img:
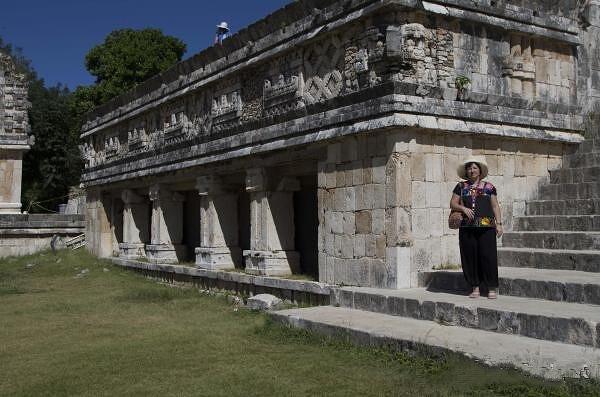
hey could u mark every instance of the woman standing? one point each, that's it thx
(477, 201)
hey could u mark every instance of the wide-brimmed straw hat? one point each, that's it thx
(480, 161)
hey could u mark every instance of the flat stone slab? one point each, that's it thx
(558, 259)
(263, 302)
(556, 285)
(551, 360)
(556, 321)
(570, 240)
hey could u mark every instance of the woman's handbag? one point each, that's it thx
(455, 219)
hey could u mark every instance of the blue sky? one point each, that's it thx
(56, 35)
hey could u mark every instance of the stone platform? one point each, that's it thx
(299, 291)
(543, 358)
(24, 234)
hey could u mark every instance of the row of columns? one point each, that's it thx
(272, 247)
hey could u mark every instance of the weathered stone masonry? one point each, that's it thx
(14, 127)
(324, 139)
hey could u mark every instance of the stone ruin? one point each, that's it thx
(22, 234)
(14, 129)
(324, 138)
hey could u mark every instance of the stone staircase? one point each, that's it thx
(547, 318)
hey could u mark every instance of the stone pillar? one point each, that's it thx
(219, 247)
(10, 177)
(271, 225)
(166, 226)
(135, 225)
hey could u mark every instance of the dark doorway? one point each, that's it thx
(306, 222)
(243, 225)
(191, 224)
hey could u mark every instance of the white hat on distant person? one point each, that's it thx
(480, 161)
(223, 26)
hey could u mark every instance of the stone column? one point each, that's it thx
(135, 225)
(219, 247)
(166, 226)
(10, 175)
(271, 225)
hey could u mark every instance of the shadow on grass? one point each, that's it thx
(152, 294)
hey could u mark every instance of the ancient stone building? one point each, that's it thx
(324, 138)
(14, 126)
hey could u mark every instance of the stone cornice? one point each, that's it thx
(391, 111)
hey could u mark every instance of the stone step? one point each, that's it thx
(580, 260)
(579, 160)
(565, 322)
(575, 175)
(569, 191)
(551, 360)
(564, 207)
(557, 222)
(554, 285)
(567, 240)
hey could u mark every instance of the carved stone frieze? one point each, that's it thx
(283, 94)
(226, 110)
(13, 98)
(323, 65)
(137, 139)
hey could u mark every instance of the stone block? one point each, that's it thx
(349, 225)
(363, 222)
(263, 302)
(357, 173)
(420, 225)
(380, 247)
(359, 246)
(378, 170)
(370, 245)
(330, 244)
(436, 222)
(417, 166)
(419, 195)
(337, 222)
(433, 195)
(368, 196)
(398, 260)
(347, 247)
(340, 176)
(379, 196)
(358, 272)
(378, 221)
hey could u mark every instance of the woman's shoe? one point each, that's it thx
(492, 294)
(475, 293)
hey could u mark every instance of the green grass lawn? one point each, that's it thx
(109, 332)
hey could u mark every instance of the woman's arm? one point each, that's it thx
(455, 205)
(497, 215)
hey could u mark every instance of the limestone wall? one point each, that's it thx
(384, 200)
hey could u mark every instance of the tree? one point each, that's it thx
(53, 164)
(128, 57)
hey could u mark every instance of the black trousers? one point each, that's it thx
(479, 256)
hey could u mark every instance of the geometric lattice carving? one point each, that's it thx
(323, 63)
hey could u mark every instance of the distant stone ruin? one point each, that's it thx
(22, 234)
(324, 138)
(14, 126)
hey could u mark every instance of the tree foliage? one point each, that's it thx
(128, 57)
(53, 164)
